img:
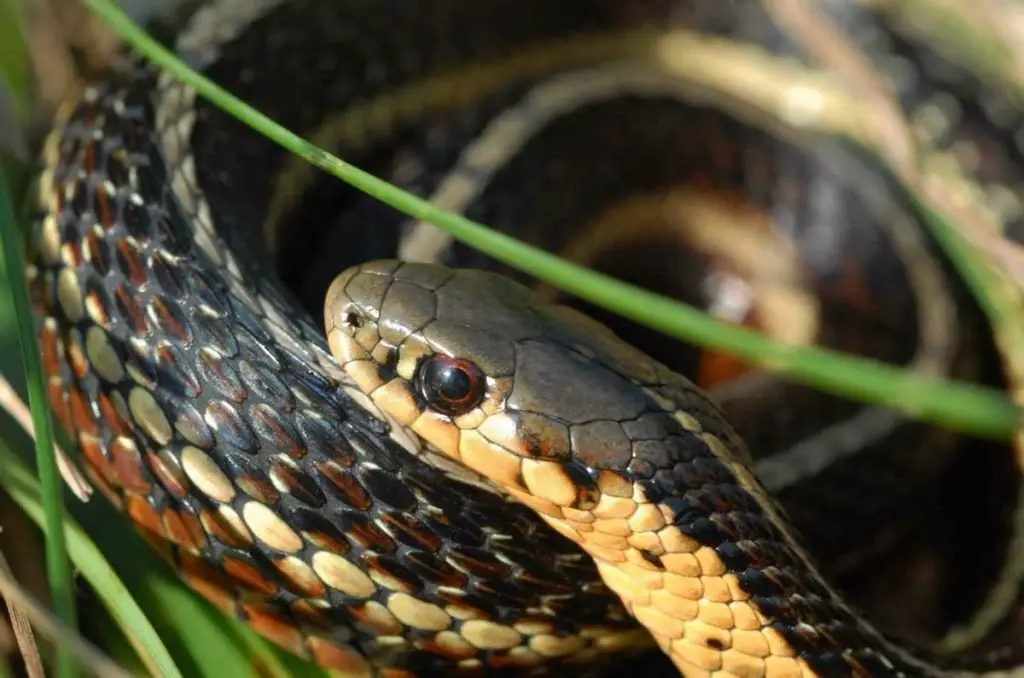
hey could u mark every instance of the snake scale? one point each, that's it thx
(453, 474)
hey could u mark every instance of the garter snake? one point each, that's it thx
(319, 498)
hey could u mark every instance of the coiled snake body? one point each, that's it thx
(472, 481)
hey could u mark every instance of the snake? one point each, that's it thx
(393, 456)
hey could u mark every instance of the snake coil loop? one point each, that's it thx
(460, 476)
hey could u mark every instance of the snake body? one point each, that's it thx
(398, 505)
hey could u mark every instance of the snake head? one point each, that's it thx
(540, 399)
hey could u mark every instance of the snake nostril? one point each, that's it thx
(354, 320)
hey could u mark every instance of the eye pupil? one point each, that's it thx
(454, 384)
(451, 385)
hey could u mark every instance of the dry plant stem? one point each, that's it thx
(88, 656)
(23, 632)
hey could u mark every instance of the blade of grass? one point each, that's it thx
(57, 564)
(964, 407)
(14, 67)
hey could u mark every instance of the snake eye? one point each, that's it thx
(452, 385)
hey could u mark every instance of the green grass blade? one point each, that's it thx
(14, 64)
(57, 564)
(26, 491)
(964, 407)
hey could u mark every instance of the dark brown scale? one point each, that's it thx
(503, 593)
(95, 453)
(305, 613)
(117, 169)
(183, 529)
(319, 530)
(148, 184)
(478, 563)
(386, 488)
(311, 588)
(276, 434)
(257, 349)
(365, 615)
(179, 377)
(70, 146)
(436, 496)
(430, 568)
(288, 477)
(209, 330)
(405, 528)
(323, 439)
(548, 440)
(208, 294)
(229, 429)
(368, 445)
(50, 351)
(80, 201)
(273, 625)
(167, 319)
(138, 361)
(220, 374)
(258, 486)
(332, 656)
(211, 583)
(453, 530)
(344, 486)
(134, 219)
(131, 262)
(170, 245)
(360, 530)
(504, 661)
(551, 588)
(99, 250)
(597, 589)
(739, 555)
(76, 355)
(480, 606)
(601, 445)
(71, 253)
(127, 468)
(83, 418)
(248, 573)
(439, 649)
(511, 549)
(166, 274)
(263, 384)
(101, 200)
(111, 418)
(386, 567)
(143, 513)
(221, 530)
(130, 309)
(97, 303)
